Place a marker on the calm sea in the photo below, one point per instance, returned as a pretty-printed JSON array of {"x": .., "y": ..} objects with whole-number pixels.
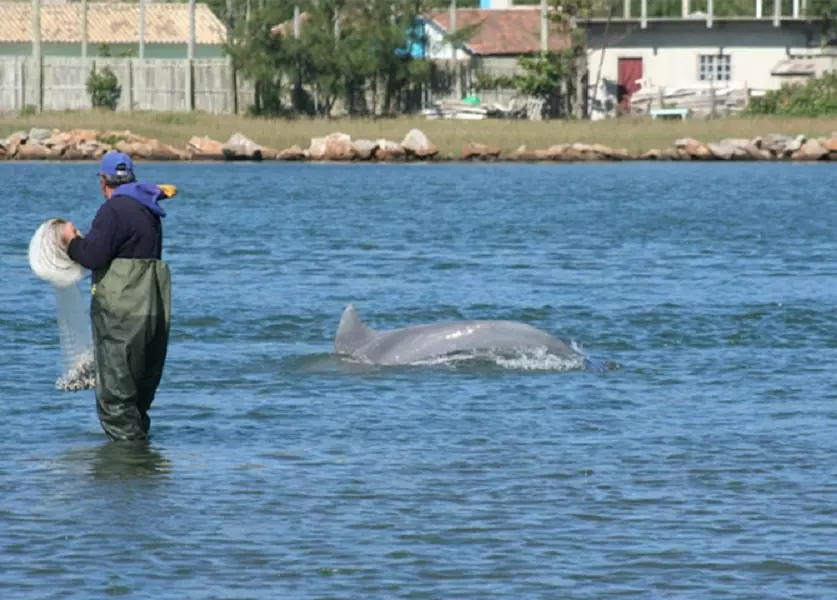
[{"x": 703, "y": 468}]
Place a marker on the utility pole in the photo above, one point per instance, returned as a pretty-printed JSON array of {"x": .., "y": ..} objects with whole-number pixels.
[
  {"x": 456, "y": 67},
  {"x": 544, "y": 28},
  {"x": 36, "y": 54},
  {"x": 141, "y": 29},
  {"x": 84, "y": 28}
]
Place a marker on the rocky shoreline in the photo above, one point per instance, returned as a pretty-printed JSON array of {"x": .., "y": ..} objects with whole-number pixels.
[{"x": 85, "y": 144}]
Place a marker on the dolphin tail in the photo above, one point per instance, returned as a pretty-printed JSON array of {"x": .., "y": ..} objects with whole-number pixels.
[{"x": 352, "y": 333}]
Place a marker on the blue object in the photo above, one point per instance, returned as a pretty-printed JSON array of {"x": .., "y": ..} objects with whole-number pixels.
[
  {"x": 415, "y": 46},
  {"x": 146, "y": 194},
  {"x": 116, "y": 163},
  {"x": 485, "y": 3}
]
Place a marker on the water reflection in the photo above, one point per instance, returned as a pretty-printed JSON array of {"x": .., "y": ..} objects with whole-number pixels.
[{"x": 123, "y": 461}]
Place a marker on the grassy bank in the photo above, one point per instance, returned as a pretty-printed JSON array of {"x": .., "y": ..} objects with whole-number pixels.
[{"x": 635, "y": 135}]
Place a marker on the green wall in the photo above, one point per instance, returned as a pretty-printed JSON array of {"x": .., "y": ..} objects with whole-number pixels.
[{"x": 116, "y": 50}]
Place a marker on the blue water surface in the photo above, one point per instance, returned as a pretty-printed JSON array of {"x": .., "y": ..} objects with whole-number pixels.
[{"x": 703, "y": 468}]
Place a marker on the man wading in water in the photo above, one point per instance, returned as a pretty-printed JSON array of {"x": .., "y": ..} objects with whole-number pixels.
[{"x": 130, "y": 307}]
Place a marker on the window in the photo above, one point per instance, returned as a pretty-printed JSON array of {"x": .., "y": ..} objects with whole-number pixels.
[{"x": 714, "y": 67}]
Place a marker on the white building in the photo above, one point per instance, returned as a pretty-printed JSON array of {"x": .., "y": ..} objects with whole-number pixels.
[{"x": 639, "y": 59}]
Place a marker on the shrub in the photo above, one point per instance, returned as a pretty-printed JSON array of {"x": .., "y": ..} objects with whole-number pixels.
[
  {"x": 104, "y": 89},
  {"x": 815, "y": 98}
]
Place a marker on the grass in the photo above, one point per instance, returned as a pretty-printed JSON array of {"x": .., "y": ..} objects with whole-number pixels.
[{"x": 636, "y": 135}]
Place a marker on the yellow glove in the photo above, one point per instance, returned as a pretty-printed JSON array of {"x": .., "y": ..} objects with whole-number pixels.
[{"x": 169, "y": 190}]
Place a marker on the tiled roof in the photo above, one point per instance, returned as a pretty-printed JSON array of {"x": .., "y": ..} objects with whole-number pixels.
[
  {"x": 511, "y": 31},
  {"x": 111, "y": 23}
]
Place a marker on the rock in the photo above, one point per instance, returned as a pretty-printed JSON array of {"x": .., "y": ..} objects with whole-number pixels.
[
  {"x": 75, "y": 136},
  {"x": 335, "y": 147},
  {"x": 416, "y": 144},
  {"x": 294, "y": 153},
  {"x": 150, "y": 150},
  {"x": 364, "y": 149},
  {"x": 36, "y": 152},
  {"x": 695, "y": 149},
  {"x": 523, "y": 154},
  {"x": 830, "y": 144},
  {"x": 388, "y": 150},
  {"x": 670, "y": 154},
  {"x": 475, "y": 151},
  {"x": 541, "y": 155},
  {"x": 832, "y": 156},
  {"x": 39, "y": 134},
  {"x": 556, "y": 152},
  {"x": 204, "y": 148},
  {"x": 611, "y": 153},
  {"x": 84, "y": 151},
  {"x": 729, "y": 150},
  {"x": 810, "y": 150},
  {"x": 783, "y": 146},
  {"x": 240, "y": 147},
  {"x": 13, "y": 143},
  {"x": 652, "y": 154},
  {"x": 135, "y": 150}
]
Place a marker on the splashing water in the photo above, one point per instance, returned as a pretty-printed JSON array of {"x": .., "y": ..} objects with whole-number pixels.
[{"x": 524, "y": 359}]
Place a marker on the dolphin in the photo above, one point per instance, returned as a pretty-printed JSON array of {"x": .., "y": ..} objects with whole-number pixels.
[{"x": 409, "y": 345}]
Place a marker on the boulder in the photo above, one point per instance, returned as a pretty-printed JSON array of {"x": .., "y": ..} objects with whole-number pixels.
[
  {"x": 85, "y": 151},
  {"x": 334, "y": 147},
  {"x": 417, "y": 145},
  {"x": 783, "y": 146},
  {"x": 729, "y": 150},
  {"x": 475, "y": 151},
  {"x": 670, "y": 154},
  {"x": 556, "y": 152},
  {"x": 294, "y": 153},
  {"x": 523, "y": 154},
  {"x": 204, "y": 148},
  {"x": 150, "y": 149},
  {"x": 240, "y": 147},
  {"x": 693, "y": 148},
  {"x": 12, "y": 143},
  {"x": 652, "y": 154},
  {"x": 389, "y": 151},
  {"x": 832, "y": 156},
  {"x": 30, "y": 151},
  {"x": 830, "y": 144},
  {"x": 611, "y": 153},
  {"x": 364, "y": 149},
  {"x": 810, "y": 150},
  {"x": 38, "y": 134}
]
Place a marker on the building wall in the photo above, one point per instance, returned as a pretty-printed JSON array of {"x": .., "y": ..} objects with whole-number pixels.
[
  {"x": 671, "y": 51},
  {"x": 436, "y": 48},
  {"x": 170, "y": 51}
]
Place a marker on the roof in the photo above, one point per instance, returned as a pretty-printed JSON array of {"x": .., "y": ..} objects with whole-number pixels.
[
  {"x": 504, "y": 31},
  {"x": 111, "y": 23}
]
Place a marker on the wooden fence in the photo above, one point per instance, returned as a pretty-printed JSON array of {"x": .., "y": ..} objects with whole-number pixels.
[{"x": 208, "y": 85}]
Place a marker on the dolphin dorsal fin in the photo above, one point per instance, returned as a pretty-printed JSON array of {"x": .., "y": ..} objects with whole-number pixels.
[{"x": 352, "y": 333}]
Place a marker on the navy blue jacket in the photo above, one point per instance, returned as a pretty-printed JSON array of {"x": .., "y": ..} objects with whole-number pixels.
[{"x": 128, "y": 225}]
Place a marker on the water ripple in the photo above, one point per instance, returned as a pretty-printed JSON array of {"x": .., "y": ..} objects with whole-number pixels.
[{"x": 703, "y": 468}]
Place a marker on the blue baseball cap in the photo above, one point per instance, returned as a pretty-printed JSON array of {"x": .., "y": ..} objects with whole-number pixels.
[{"x": 116, "y": 163}]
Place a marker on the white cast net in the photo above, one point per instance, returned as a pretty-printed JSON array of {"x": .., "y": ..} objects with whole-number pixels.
[{"x": 49, "y": 261}]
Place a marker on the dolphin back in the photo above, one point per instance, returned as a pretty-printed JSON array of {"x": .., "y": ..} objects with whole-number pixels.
[{"x": 352, "y": 333}]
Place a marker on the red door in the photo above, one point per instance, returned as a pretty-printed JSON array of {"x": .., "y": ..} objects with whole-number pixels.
[{"x": 630, "y": 69}]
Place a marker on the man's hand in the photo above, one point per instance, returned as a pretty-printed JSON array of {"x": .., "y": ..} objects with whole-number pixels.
[{"x": 68, "y": 232}]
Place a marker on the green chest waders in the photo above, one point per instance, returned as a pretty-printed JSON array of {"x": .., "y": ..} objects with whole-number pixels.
[{"x": 130, "y": 312}]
